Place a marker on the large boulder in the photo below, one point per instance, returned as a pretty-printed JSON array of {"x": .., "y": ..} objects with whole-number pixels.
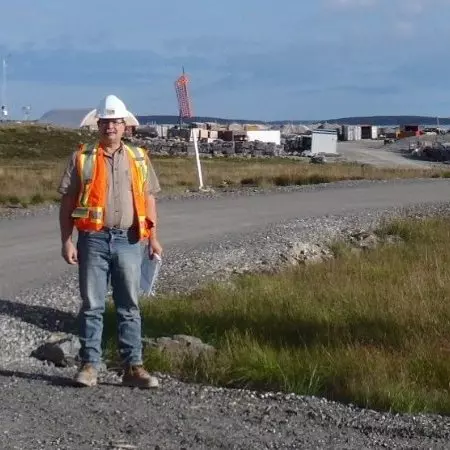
[{"x": 60, "y": 349}]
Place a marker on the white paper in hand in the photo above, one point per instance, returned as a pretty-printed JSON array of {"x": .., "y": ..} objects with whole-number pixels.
[{"x": 149, "y": 272}]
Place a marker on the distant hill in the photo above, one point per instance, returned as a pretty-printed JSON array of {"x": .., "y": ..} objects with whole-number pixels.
[
  {"x": 173, "y": 120},
  {"x": 391, "y": 120},
  {"x": 357, "y": 120},
  {"x": 72, "y": 118}
]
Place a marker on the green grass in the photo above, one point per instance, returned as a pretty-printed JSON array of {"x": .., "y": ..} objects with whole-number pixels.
[
  {"x": 32, "y": 160},
  {"x": 19, "y": 143},
  {"x": 372, "y": 329}
]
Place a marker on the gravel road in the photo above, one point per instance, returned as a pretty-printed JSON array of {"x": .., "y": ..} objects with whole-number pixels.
[
  {"x": 377, "y": 154},
  {"x": 204, "y": 238}
]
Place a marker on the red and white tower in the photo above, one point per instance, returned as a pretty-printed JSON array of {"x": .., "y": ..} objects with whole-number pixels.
[{"x": 183, "y": 97}]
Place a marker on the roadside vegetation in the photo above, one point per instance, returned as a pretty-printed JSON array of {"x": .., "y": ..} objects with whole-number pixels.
[
  {"x": 371, "y": 329},
  {"x": 32, "y": 159}
]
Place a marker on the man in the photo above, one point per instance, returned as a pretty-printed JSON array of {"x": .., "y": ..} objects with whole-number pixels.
[{"x": 107, "y": 194}]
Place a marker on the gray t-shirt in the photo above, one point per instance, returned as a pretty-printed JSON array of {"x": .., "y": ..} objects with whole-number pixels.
[{"x": 119, "y": 208}]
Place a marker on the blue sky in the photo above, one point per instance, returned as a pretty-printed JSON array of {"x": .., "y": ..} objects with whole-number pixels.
[{"x": 255, "y": 59}]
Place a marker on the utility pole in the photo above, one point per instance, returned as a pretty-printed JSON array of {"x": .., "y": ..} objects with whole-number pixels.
[
  {"x": 4, "y": 114},
  {"x": 26, "y": 112}
]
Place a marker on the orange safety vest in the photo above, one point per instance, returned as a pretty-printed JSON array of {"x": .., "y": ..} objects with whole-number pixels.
[{"x": 89, "y": 211}]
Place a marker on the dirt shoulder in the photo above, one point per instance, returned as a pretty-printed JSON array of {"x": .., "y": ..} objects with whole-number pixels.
[{"x": 375, "y": 153}]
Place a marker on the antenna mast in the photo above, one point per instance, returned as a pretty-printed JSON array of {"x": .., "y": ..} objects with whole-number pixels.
[
  {"x": 183, "y": 97},
  {"x": 26, "y": 112},
  {"x": 4, "y": 113}
]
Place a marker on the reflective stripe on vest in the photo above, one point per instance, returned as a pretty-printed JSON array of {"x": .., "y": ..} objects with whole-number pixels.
[
  {"x": 87, "y": 163},
  {"x": 138, "y": 156}
]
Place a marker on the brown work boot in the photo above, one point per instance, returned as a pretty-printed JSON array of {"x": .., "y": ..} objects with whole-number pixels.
[
  {"x": 137, "y": 376},
  {"x": 86, "y": 376}
]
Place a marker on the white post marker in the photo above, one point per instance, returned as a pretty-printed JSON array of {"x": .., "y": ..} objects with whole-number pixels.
[{"x": 197, "y": 157}]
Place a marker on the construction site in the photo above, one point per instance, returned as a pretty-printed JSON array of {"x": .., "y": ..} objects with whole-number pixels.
[
  {"x": 253, "y": 139},
  {"x": 288, "y": 139}
]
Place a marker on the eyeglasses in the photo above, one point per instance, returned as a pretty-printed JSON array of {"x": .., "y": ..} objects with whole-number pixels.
[{"x": 115, "y": 122}]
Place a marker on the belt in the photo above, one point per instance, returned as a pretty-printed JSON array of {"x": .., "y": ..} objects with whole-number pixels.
[{"x": 120, "y": 231}]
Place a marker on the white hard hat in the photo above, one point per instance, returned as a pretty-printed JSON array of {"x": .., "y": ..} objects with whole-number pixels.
[{"x": 111, "y": 107}]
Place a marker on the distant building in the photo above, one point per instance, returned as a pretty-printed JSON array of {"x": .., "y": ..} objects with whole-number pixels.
[
  {"x": 324, "y": 141},
  {"x": 410, "y": 131},
  {"x": 351, "y": 133},
  {"x": 369, "y": 132},
  {"x": 69, "y": 118},
  {"x": 273, "y": 136},
  {"x": 231, "y": 135}
]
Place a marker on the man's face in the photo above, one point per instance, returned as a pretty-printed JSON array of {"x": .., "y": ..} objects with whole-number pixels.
[{"x": 111, "y": 130}]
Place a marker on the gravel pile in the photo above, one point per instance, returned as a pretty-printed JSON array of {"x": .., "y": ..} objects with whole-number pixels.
[
  {"x": 403, "y": 145},
  {"x": 41, "y": 411}
]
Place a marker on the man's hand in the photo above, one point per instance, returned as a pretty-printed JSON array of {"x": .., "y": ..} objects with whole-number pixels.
[
  {"x": 154, "y": 247},
  {"x": 69, "y": 253}
]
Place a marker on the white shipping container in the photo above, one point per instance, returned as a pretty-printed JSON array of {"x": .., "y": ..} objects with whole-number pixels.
[
  {"x": 324, "y": 141},
  {"x": 264, "y": 136},
  {"x": 374, "y": 132},
  {"x": 347, "y": 132},
  {"x": 204, "y": 134},
  {"x": 161, "y": 130},
  {"x": 352, "y": 132}
]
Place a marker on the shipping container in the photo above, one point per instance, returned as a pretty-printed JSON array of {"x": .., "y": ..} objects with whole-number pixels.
[
  {"x": 369, "y": 132},
  {"x": 351, "y": 132},
  {"x": 265, "y": 136},
  {"x": 225, "y": 135},
  {"x": 324, "y": 141},
  {"x": 204, "y": 134},
  {"x": 228, "y": 135},
  {"x": 366, "y": 132},
  {"x": 374, "y": 132}
]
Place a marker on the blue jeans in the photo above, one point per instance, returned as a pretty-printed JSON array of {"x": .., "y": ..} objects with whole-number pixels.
[{"x": 110, "y": 255}]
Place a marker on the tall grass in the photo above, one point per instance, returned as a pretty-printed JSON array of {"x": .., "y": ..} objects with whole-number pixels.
[
  {"x": 31, "y": 142},
  {"x": 32, "y": 159},
  {"x": 371, "y": 329},
  {"x": 33, "y": 183},
  {"x": 35, "y": 180},
  {"x": 237, "y": 172}
]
